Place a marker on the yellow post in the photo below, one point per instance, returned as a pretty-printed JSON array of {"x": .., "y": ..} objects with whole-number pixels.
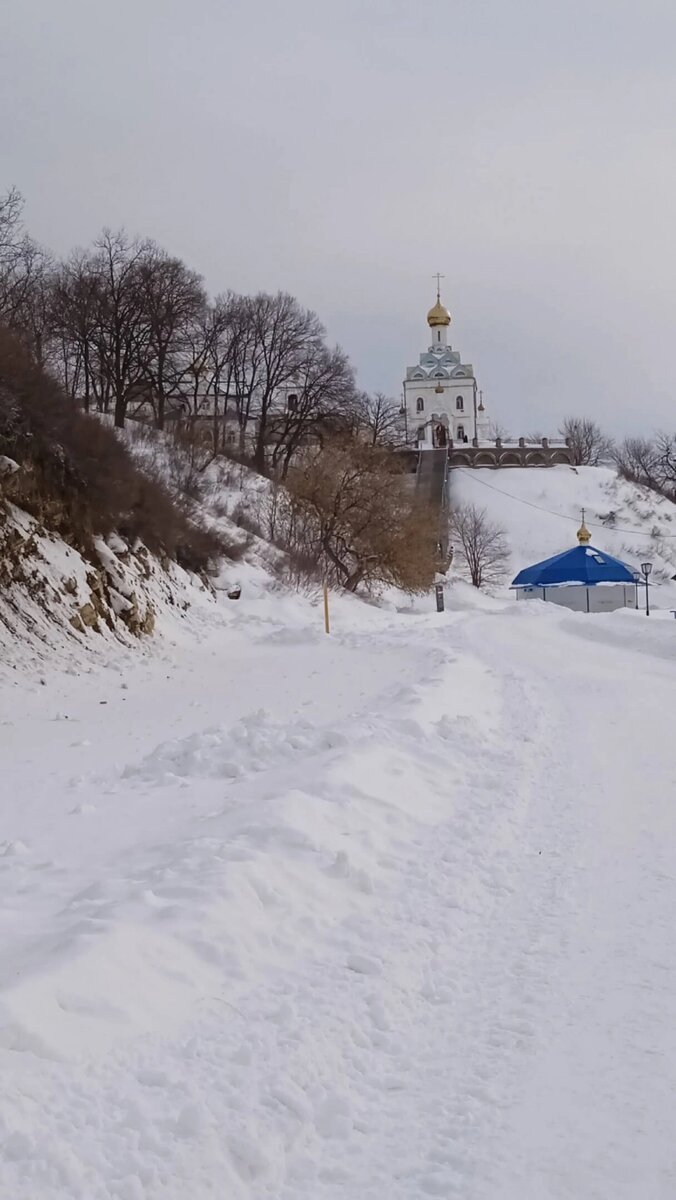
[{"x": 327, "y": 627}]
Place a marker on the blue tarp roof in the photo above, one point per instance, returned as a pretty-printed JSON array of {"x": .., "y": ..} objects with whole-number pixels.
[{"x": 583, "y": 564}]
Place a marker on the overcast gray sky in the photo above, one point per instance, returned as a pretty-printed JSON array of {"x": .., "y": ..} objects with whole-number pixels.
[{"x": 346, "y": 151}]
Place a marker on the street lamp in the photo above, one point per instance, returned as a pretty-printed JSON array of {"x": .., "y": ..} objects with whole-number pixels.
[{"x": 646, "y": 568}]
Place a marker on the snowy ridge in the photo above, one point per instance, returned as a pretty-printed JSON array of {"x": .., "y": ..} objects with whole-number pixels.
[{"x": 250, "y": 745}]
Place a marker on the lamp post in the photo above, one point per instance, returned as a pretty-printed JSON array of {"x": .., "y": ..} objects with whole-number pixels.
[{"x": 646, "y": 568}]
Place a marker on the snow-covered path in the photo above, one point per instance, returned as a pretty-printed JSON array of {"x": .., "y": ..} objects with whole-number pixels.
[{"x": 406, "y": 932}]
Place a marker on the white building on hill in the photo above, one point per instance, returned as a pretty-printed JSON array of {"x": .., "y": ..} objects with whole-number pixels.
[
  {"x": 444, "y": 408},
  {"x": 441, "y": 399}
]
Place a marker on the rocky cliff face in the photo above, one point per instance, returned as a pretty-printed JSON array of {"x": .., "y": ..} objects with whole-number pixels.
[{"x": 52, "y": 597}]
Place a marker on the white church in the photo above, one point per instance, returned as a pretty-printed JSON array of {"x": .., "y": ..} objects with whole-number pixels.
[
  {"x": 443, "y": 409},
  {"x": 441, "y": 399}
]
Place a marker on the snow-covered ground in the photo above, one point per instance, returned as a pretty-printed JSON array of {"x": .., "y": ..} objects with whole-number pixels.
[{"x": 390, "y": 913}]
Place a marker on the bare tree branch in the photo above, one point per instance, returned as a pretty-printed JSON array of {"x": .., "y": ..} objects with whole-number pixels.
[{"x": 480, "y": 543}]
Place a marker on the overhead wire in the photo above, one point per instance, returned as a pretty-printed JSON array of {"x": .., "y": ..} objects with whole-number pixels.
[{"x": 551, "y": 512}]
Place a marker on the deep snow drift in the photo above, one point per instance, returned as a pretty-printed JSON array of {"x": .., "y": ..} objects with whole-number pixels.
[{"x": 387, "y": 913}]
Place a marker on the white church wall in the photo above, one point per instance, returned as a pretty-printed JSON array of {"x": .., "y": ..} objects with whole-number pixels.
[{"x": 442, "y": 404}]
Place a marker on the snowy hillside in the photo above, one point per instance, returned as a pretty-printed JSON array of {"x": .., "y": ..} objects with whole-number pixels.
[
  {"x": 58, "y": 606},
  {"x": 540, "y": 511}
]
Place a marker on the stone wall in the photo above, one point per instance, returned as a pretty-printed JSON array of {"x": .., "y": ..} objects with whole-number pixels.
[{"x": 521, "y": 453}]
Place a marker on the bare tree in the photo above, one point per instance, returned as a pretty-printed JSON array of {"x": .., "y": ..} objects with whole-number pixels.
[
  {"x": 285, "y": 333},
  {"x": 76, "y": 330},
  {"x": 649, "y": 461},
  {"x": 124, "y": 323},
  {"x": 496, "y": 430},
  {"x": 172, "y": 298},
  {"x": 25, "y": 279},
  {"x": 380, "y": 419},
  {"x": 480, "y": 543},
  {"x": 322, "y": 403},
  {"x": 270, "y": 341},
  {"x": 197, "y": 381},
  {"x": 588, "y": 444},
  {"x": 637, "y": 459},
  {"x": 102, "y": 323},
  {"x": 665, "y": 447},
  {"x": 245, "y": 363},
  {"x": 33, "y": 319},
  {"x": 128, "y": 328},
  {"x": 219, "y": 365},
  {"x": 17, "y": 255}
]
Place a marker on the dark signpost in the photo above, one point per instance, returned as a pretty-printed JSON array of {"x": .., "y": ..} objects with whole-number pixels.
[{"x": 439, "y": 592}]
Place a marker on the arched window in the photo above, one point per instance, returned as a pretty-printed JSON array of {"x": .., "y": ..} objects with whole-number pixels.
[
  {"x": 421, "y": 433},
  {"x": 461, "y": 433},
  {"x": 420, "y": 404},
  {"x": 459, "y": 404},
  {"x": 292, "y": 403}
]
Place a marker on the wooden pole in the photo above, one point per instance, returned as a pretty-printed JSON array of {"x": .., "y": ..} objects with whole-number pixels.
[{"x": 327, "y": 626}]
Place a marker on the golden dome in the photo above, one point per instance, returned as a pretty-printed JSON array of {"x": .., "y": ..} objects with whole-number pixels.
[
  {"x": 583, "y": 534},
  {"x": 438, "y": 315}
]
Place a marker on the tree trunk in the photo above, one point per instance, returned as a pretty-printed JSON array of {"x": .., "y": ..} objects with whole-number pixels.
[
  {"x": 160, "y": 410},
  {"x": 259, "y": 454},
  {"x": 86, "y": 375},
  {"x": 352, "y": 582}
]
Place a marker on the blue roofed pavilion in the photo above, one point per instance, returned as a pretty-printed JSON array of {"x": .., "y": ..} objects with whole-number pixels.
[{"x": 567, "y": 578}]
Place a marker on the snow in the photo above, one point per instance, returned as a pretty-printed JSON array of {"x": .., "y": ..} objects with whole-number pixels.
[
  {"x": 387, "y": 913},
  {"x": 8, "y": 466}
]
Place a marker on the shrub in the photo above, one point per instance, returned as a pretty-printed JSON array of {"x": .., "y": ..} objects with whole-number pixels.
[
  {"x": 349, "y": 514},
  {"x": 77, "y": 477}
]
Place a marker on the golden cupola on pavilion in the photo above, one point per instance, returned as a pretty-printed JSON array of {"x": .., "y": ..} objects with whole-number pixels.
[{"x": 583, "y": 534}]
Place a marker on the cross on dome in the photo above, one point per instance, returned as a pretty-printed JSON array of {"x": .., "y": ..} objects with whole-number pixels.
[
  {"x": 583, "y": 534},
  {"x": 439, "y": 314}
]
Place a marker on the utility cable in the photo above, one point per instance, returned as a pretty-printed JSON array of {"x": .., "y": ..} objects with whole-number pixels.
[{"x": 564, "y": 517}]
